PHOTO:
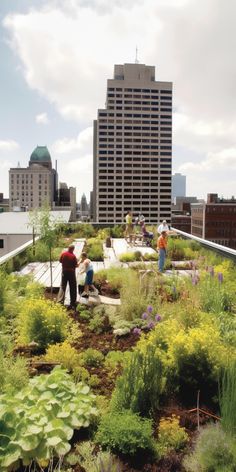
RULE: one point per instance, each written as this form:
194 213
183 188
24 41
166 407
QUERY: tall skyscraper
178 185
133 147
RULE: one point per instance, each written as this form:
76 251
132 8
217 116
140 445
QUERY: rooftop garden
145 385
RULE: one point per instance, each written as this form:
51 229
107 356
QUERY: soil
107 290
105 343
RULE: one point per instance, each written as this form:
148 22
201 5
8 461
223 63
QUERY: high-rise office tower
178 185
133 147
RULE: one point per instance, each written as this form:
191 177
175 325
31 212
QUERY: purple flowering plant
150 318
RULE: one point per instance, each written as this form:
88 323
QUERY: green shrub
64 354
13 373
141 384
43 322
38 422
150 257
215 297
126 433
227 395
136 295
92 357
214 452
103 461
117 231
3 285
99 323
127 257
192 357
95 251
116 359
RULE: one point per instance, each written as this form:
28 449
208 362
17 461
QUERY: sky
56 56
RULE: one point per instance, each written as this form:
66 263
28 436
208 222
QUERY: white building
16 230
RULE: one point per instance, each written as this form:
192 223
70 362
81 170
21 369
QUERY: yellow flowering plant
171 435
41 321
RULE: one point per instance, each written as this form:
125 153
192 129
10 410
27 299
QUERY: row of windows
119 89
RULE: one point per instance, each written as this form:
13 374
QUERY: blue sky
56 56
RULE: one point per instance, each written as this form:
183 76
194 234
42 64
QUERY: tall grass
227 398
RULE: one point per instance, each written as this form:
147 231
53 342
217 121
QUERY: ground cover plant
38 422
145 361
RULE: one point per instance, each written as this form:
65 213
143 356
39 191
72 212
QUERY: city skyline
56 60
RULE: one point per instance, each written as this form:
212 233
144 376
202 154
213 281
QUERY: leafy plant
128 257
192 357
13 373
227 397
214 451
171 435
103 461
141 384
42 321
99 323
116 359
125 432
64 354
94 249
215 297
38 422
92 357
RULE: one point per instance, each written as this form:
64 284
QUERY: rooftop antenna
136 56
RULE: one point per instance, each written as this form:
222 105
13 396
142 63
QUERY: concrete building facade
66 197
133 147
35 185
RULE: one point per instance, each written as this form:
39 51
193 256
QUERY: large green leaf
62 449
29 442
54 441
12 455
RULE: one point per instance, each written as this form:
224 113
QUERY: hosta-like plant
39 421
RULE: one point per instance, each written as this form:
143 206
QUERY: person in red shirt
162 246
69 263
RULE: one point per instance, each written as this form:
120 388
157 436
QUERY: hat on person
164 221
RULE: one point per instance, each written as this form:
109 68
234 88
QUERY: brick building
215 220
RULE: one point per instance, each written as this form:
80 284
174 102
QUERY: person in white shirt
163 227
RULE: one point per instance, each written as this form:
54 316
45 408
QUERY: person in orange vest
162 247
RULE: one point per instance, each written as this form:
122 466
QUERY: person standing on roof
163 227
69 263
162 247
129 226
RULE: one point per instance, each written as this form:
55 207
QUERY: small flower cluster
150 319
212 274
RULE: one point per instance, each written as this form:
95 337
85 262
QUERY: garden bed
121 382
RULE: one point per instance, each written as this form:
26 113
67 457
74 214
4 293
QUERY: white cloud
82 143
214 162
8 145
75 161
67 51
42 118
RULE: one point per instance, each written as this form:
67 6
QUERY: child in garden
87 267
